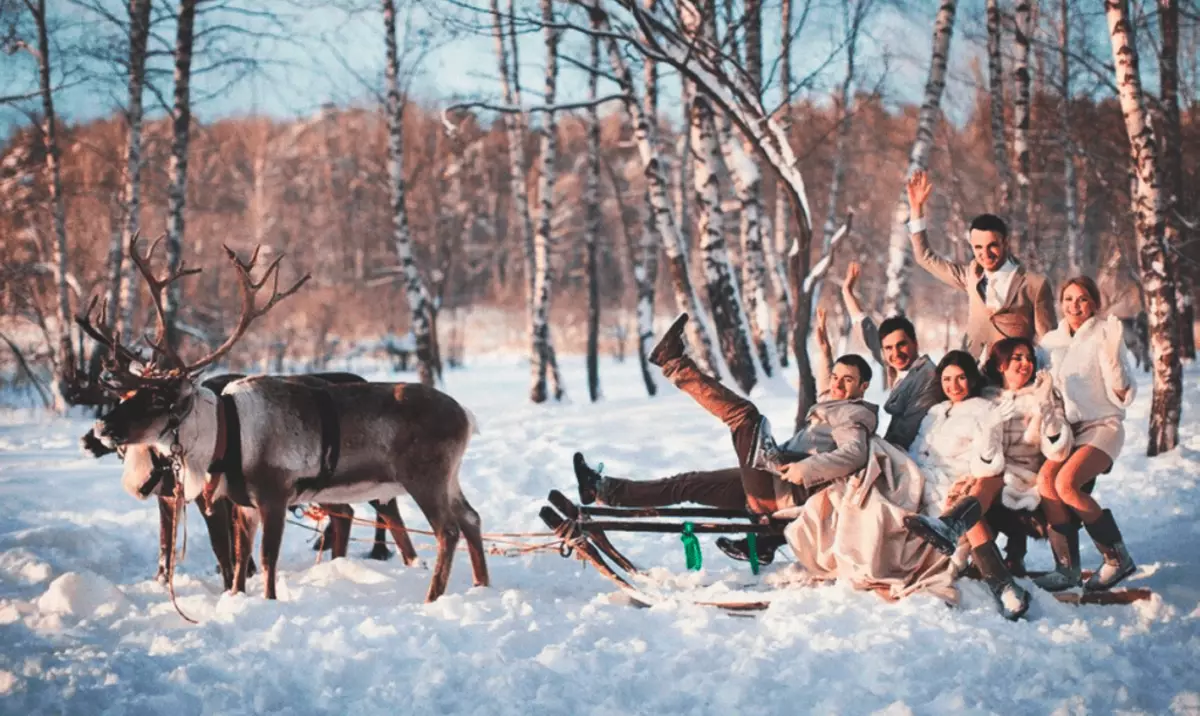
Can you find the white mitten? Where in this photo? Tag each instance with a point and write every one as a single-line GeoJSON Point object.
{"type": "Point", "coordinates": [1114, 339]}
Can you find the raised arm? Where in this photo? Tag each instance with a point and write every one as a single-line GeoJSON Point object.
{"type": "Point", "coordinates": [943, 269]}
{"type": "Point", "coordinates": [1114, 364]}
{"type": "Point", "coordinates": [868, 331]}
{"type": "Point", "coordinates": [823, 362]}
{"type": "Point", "coordinates": [1045, 319]}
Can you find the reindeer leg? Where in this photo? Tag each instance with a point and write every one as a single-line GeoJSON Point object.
{"type": "Point", "coordinates": [166, 537]}
{"type": "Point", "coordinates": [379, 549]}
{"type": "Point", "coordinates": [220, 536]}
{"type": "Point", "coordinates": [389, 512]}
{"type": "Point", "coordinates": [470, 524]}
{"type": "Point", "coordinates": [273, 517]}
{"type": "Point", "coordinates": [445, 528]}
{"type": "Point", "coordinates": [338, 533]}
{"type": "Point", "coordinates": [244, 527]}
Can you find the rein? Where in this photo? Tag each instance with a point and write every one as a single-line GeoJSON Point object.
{"type": "Point", "coordinates": [180, 506]}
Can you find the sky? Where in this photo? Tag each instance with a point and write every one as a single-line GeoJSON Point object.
{"type": "Point", "coordinates": [316, 52]}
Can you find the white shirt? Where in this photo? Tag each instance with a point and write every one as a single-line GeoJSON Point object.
{"type": "Point", "coordinates": [998, 282]}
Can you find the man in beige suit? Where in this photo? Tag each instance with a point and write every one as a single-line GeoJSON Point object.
{"type": "Point", "coordinates": [1005, 300]}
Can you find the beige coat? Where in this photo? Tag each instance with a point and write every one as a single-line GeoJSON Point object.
{"type": "Point", "coordinates": [1028, 308]}
{"type": "Point", "coordinates": [854, 530]}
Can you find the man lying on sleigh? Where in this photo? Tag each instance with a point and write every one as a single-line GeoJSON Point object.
{"type": "Point", "coordinates": [845, 490]}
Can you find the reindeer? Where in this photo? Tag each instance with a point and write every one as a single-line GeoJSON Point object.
{"type": "Point", "coordinates": [147, 473]}
{"type": "Point", "coordinates": [395, 438]}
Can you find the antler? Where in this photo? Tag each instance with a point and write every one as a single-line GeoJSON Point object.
{"type": "Point", "coordinates": [249, 290]}
{"type": "Point", "coordinates": [160, 345]}
{"type": "Point", "coordinates": [104, 335]}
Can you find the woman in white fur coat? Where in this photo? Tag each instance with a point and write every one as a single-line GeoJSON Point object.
{"type": "Point", "coordinates": [951, 449]}
{"type": "Point", "coordinates": [1090, 365]}
{"type": "Point", "coordinates": [1036, 433]}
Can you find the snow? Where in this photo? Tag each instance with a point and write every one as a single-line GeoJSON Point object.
{"type": "Point", "coordinates": [84, 628]}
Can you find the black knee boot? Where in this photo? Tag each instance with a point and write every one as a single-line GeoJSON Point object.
{"type": "Point", "coordinates": [1064, 542]}
{"type": "Point", "coordinates": [1117, 563]}
{"type": "Point", "coordinates": [945, 531]}
{"type": "Point", "coordinates": [1011, 597]}
{"type": "Point", "coordinates": [739, 549]}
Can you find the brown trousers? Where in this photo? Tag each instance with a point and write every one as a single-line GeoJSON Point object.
{"type": "Point", "coordinates": [726, 488]}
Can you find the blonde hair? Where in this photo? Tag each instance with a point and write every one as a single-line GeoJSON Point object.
{"type": "Point", "coordinates": [1087, 284]}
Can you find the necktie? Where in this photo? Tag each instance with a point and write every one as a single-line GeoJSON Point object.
{"type": "Point", "coordinates": [982, 287]}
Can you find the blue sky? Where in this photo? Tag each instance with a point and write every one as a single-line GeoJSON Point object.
{"type": "Point", "coordinates": [337, 56]}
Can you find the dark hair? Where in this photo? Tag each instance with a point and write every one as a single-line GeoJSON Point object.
{"type": "Point", "coordinates": [856, 362]}
{"type": "Point", "coordinates": [1002, 353]}
{"type": "Point", "coordinates": [897, 323]}
{"type": "Point", "coordinates": [965, 362]}
{"type": "Point", "coordinates": [1087, 284]}
{"type": "Point", "coordinates": [990, 222]}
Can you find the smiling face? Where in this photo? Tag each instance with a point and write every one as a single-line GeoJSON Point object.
{"type": "Point", "coordinates": [1018, 369]}
{"type": "Point", "coordinates": [1077, 306]}
{"type": "Point", "coordinates": [955, 384]}
{"type": "Point", "coordinates": [846, 383]}
{"type": "Point", "coordinates": [990, 248]}
{"type": "Point", "coordinates": [899, 350]}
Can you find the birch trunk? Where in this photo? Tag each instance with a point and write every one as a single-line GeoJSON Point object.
{"type": "Point", "coordinates": [645, 257]}
{"type": "Point", "coordinates": [414, 286]}
{"type": "Point", "coordinates": [899, 268]}
{"type": "Point", "coordinates": [1157, 282]}
{"type": "Point", "coordinates": [64, 354]}
{"type": "Point", "coordinates": [829, 229]}
{"type": "Point", "coordinates": [1172, 170]}
{"type": "Point", "coordinates": [592, 230]}
{"type": "Point", "coordinates": [723, 295]}
{"type": "Point", "coordinates": [1022, 213]}
{"type": "Point", "coordinates": [747, 179]}
{"type": "Point", "coordinates": [542, 238]}
{"type": "Point", "coordinates": [181, 118]}
{"type": "Point", "coordinates": [995, 32]}
{"type": "Point", "coordinates": [698, 331]}
{"type": "Point", "coordinates": [125, 303]}
{"type": "Point", "coordinates": [779, 248]}
{"type": "Point", "coordinates": [1070, 188]}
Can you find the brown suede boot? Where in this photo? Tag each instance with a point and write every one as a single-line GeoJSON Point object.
{"type": "Point", "coordinates": [671, 345]}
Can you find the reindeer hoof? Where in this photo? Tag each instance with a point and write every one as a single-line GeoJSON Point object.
{"type": "Point", "coordinates": [161, 577]}
{"type": "Point", "coordinates": [380, 553]}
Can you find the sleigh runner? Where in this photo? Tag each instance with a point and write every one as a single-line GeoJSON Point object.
{"type": "Point", "coordinates": [584, 530]}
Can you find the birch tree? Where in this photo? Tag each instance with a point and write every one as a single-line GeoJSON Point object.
{"type": "Point", "coordinates": [645, 135]}
{"type": "Point", "coordinates": [1022, 41]}
{"type": "Point", "coordinates": [995, 39]}
{"type": "Point", "coordinates": [181, 118]}
{"type": "Point", "coordinates": [777, 248]}
{"type": "Point", "coordinates": [65, 369]}
{"type": "Point", "coordinates": [1149, 222]}
{"type": "Point", "coordinates": [542, 239]}
{"type": "Point", "coordinates": [592, 229]}
{"type": "Point", "coordinates": [414, 286]}
{"type": "Point", "coordinates": [723, 294]}
{"type": "Point", "coordinates": [899, 267]}
{"type": "Point", "coordinates": [122, 284]}
{"type": "Point", "coordinates": [747, 179]}
{"type": "Point", "coordinates": [1171, 142]}
{"type": "Point", "coordinates": [853, 15]}
{"type": "Point", "coordinates": [1070, 189]}
{"type": "Point", "coordinates": [645, 258]}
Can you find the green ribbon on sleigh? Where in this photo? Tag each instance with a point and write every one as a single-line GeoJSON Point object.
{"type": "Point", "coordinates": [691, 547]}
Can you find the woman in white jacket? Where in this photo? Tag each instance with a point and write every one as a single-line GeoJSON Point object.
{"type": "Point", "coordinates": [1090, 365]}
{"type": "Point", "coordinates": [951, 447]}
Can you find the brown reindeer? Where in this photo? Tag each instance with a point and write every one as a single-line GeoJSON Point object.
{"type": "Point", "coordinates": [394, 438]}
{"type": "Point", "coordinates": [148, 473]}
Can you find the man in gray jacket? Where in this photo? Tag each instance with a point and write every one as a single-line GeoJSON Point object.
{"type": "Point", "coordinates": [834, 440]}
{"type": "Point", "coordinates": [911, 375]}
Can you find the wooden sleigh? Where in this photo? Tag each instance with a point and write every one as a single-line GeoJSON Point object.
{"type": "Point", "coordinates": [584, 530]}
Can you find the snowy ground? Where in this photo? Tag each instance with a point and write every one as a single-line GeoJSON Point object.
{"type": "Point", "coordinates": [84, 628]}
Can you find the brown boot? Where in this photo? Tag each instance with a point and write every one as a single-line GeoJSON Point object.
{"type": "Point", "coordinates": [671, 345]}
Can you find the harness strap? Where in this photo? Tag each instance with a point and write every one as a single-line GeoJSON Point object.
{"type": "Point", "coordinates": [227, 456]}
{"type": "Point", "coordinates": [331, 434]}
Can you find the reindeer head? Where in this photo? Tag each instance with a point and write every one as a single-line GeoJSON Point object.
{"type": "Point", "coordinates": [156, 398]}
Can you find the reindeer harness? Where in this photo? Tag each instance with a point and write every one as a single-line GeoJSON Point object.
{"type": "Point", "coordinates": [227, 455]}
